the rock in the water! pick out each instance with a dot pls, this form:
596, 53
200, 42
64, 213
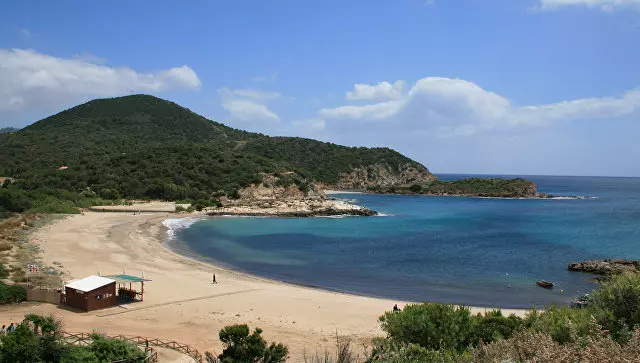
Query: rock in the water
606, 267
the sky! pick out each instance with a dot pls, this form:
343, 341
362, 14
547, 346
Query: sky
462, 86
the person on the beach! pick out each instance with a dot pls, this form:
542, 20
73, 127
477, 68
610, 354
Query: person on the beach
214, 279
11, 328
395, 308
3, 331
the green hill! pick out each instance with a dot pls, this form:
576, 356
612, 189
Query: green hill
145, 147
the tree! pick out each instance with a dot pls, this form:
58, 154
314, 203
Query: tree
240, 347
21, 346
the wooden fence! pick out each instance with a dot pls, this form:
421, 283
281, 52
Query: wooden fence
85, 339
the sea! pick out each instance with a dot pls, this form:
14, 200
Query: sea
470, 251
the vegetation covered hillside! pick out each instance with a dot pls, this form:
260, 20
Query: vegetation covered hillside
144, 147
479, 187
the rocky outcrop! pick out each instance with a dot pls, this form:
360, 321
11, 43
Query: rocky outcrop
292, 208
286, 195
274, 187
383, 175
606, 267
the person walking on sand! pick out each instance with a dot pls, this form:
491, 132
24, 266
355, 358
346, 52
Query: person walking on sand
11, 328
4, 330
214, 279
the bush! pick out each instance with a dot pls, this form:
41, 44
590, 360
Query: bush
108, 350
432, 326
11, 294
446, 327
3, 271
616, 304
564, 325
416, 188
239, 346
386, 351
494, 326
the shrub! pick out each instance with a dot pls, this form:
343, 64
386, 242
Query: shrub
564, 325
387, 351
494, 326
432, 326
416, 188
616, 304
108, 350
3, 271
239, 346
20, 346
10, 294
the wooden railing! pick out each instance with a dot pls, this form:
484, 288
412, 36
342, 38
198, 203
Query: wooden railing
85, 339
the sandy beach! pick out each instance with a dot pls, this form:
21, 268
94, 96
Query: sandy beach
181, 303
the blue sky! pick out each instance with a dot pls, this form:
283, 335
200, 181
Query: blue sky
501, 86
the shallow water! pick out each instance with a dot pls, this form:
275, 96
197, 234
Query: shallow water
474, 251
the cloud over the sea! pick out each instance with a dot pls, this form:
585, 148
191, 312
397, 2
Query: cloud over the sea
455, 107
29, 79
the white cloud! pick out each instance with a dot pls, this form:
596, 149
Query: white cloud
251, 93
374, 111
248, 105
455, 107
32, 79
313, 124
380, 91
26, 32
605, 5
246, 110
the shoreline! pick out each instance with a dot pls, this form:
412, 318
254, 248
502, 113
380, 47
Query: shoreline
180, 301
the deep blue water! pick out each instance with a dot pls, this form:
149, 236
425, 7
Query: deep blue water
445, 249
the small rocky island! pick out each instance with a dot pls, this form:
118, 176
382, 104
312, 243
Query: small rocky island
470, 187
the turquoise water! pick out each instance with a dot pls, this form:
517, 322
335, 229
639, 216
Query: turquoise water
474, 251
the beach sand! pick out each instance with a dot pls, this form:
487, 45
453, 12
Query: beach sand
181, 303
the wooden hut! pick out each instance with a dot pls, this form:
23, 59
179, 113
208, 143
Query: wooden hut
91, 293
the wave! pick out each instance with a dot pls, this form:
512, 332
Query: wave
578, 197
177, 224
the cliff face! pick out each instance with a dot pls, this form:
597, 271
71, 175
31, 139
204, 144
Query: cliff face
383, 175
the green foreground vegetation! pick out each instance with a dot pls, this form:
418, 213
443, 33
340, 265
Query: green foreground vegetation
39, 339
607, 330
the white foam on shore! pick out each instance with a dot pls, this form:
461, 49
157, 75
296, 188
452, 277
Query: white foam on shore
176, 224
